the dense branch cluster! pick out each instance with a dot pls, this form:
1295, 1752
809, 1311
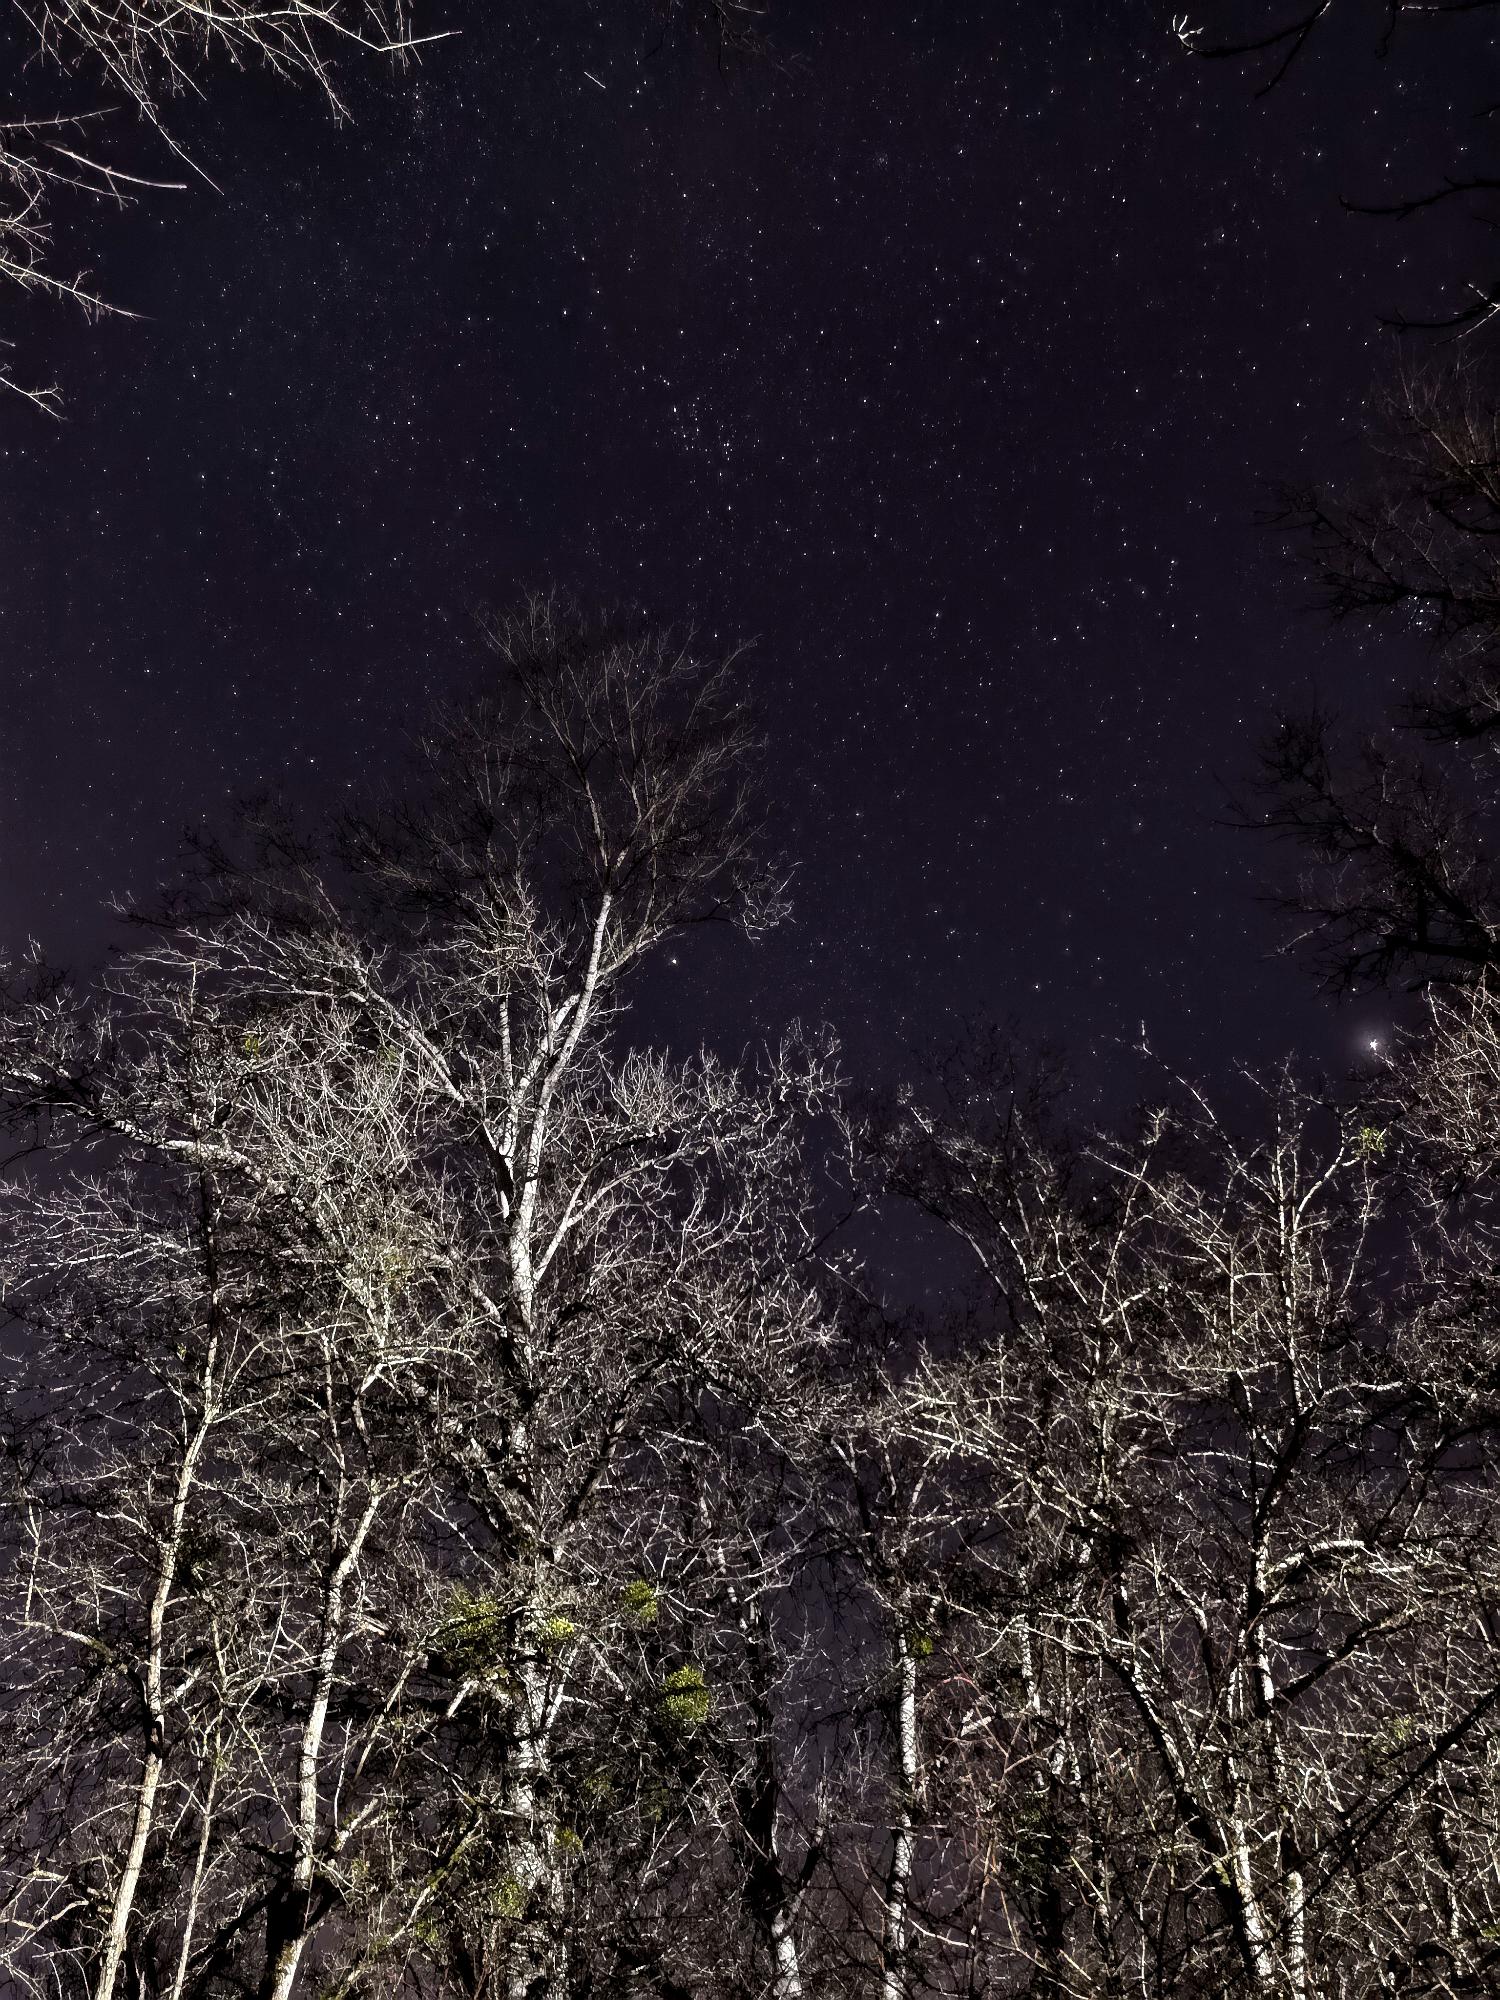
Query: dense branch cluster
468, 1532
1399, 839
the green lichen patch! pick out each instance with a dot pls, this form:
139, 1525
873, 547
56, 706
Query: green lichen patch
1370, 1142
640, 1602
685, 1698
555, 1634
474, 1640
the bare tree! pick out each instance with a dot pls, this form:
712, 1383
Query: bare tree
1237, 1566
140, 54
1399, 836
465, 1535
476, 1242
1413, 545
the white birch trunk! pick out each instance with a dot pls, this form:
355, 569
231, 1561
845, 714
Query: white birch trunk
786, 1969
898, 1881
156, 1721
1296, 1934
195, 1892
282, 1971
533, 1866
1261, 1960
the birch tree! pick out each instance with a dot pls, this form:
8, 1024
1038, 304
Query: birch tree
1233, 1557
481, 1241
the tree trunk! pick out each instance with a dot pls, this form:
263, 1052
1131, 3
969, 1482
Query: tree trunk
897, 1935
296, 1918
156, 1721
773, 1904
537, 1966
195, 1892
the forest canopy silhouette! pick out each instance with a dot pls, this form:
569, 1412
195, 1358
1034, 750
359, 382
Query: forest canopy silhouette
483, 1515
471, 1528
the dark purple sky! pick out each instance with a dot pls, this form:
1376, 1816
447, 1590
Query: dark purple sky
949, 369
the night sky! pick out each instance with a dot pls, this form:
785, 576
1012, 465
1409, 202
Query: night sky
949, 368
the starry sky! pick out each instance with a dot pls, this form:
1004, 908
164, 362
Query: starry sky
949, 367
